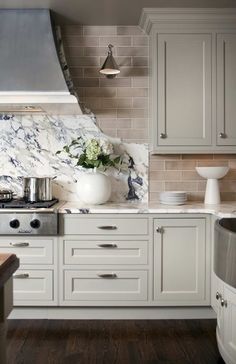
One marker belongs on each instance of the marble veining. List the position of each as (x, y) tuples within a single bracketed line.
[(223, 210), (28, 147)]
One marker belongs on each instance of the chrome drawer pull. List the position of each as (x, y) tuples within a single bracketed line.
[(107, 227), (107, 275), (21, 275), (159, 229), (107, 245), (19, 244)]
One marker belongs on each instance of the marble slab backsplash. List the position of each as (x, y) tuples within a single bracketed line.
[(28, 147)]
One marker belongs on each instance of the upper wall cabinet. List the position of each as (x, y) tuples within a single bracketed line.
[(226, 89), (184, 111), (192, 80)]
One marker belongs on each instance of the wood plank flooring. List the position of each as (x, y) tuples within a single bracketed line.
[(112, 342)]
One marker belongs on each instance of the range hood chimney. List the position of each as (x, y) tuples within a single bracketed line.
[(31, 77)]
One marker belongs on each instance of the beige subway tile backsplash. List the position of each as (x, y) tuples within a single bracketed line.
[(132, 113), (115, 82), (83, 61), (121, 104), (180, 165), (132, 134), (116, 41), (99, 30), (132, 91), (140, 41), (132, 51), (129, 30), (139, 123), (140, 61), (95, 51)]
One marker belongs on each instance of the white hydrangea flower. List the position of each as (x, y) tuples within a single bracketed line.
[(93, 149), (106, 147)]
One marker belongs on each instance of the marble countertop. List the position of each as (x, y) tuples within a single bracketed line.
[(225, 209)]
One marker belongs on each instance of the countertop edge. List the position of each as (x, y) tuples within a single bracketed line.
[(223, 210)]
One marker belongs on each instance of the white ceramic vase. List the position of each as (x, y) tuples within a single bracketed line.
[(94, 188)]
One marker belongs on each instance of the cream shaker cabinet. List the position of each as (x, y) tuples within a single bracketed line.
[(105, 260), (225, 307), (35, 282), (183, 89), (181, 262), (192, 80), (226, 89), (134, 260)]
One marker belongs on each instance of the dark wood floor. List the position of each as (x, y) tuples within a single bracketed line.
[(112, 342)]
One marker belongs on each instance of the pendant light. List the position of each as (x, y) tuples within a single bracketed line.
[(110, 68)]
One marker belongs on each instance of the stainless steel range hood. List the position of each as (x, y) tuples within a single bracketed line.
[(31, 77)]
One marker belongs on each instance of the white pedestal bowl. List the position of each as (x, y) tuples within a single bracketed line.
[(212, 194)]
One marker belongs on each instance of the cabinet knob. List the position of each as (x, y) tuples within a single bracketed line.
[(222, 135), (223, 303), (218, 295), (159, 229), (163, 135)]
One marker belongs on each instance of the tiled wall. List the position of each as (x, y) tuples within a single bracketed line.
[(121, 104)]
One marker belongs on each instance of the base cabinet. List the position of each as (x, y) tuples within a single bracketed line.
[(144, 260), (105, 285), (35, 282), (106, 260), (181, 257), (135, 260), (226, 318)]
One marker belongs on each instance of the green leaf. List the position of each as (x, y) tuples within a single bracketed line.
[(66, 149), (117, 160)]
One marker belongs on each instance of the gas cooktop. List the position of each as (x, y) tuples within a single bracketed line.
[(22, 204), (18, 217)]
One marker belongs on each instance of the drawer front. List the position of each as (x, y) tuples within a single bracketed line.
[(29, 251), (105, 285), (105, 252), (33, 285), (105, 226)]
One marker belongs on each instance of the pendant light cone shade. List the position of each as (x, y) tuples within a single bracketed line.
[(110, 68)]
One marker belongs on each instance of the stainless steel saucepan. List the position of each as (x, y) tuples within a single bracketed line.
[(6, 195), (37, 188)]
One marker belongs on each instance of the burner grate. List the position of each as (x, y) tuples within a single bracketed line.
[(22, 204)]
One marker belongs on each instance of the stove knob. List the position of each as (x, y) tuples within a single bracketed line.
[(35, 224), (14, 224)]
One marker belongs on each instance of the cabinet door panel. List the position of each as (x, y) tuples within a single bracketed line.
[(90, 285), (28, 250), (229, 322), (105, 226), (32, 287), (226, 89), (184, 89), (105, 252), (180, 261)]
